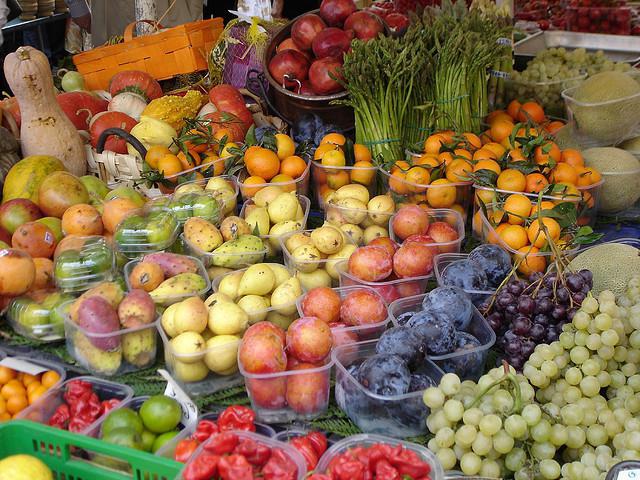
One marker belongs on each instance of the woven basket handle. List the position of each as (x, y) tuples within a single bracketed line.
[(128, 31), (118, 132)]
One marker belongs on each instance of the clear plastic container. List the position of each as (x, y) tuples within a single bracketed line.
[(191, 204), (91, 262), (390, 290), (44, 408), (46, 364), (170, 299), (361, 332), (146, 231), (34, 315), (232, 260), (395, 415), (279, 314), (548, 93), (599, 19), (367, 440), (299, 185), (338, 215), (291, 452), (468, 364), (272, 398), (310, 266), (168, 450), (223, 188), (432, 196), (111, 354), (587, 205), (274, 240), (187, 368), (328, 179), (451, 217), (440, 264), (609, 122)]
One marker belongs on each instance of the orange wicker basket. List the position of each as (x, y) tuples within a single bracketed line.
[(165, 54)]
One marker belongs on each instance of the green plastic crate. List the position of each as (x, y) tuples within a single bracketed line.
[(54, 447)]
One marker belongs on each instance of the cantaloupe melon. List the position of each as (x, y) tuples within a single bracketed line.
[(612, 265), (621, 172), (25, 177)]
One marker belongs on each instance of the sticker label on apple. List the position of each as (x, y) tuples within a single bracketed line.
[(189, 408), (23, 366)]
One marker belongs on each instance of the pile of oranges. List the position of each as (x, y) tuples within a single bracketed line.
[(266, 166), (332, 170), (19, 390)]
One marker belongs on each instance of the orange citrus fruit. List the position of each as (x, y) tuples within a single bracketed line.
[(293, 166), (484, 154), (363, 172), (487, 165), (535, 182), (458, 170), (529, 261), (564, 173), (397, 183), (572, 157), (418, 176), (361, 153), (169, 165), (512, 180), (262, 162), (501, 129), (428, 160), (498, 115), (441, 194), (434, 143), (544, 154), (154, 154), (462, 153), (249, 191), (17, 403), (497, 149), (514, 108), (12, 388), (333, 158), (531, 112), (587, 176), (544, 205), (514, 236), (50, 378), (334, 138), (6, 374), (518, 208), (322, 149), (537, 237), (289, 183), (226, 150), (337, 179), (472, 140)]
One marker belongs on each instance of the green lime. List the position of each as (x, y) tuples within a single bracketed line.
[(123, 417), (147, 440), (160, 414), (125, 437), (162, 439)]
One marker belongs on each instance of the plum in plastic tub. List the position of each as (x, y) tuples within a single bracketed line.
[(357, 333), (327, 179), (390, 290), (299, 185), (452, 218), (472, 342), (454, 195), (547, 93), (368, 440), (288, 450), (395, 415), (89, 262), (279, 314), (444, 260), (171, 298), (274, 239), (146, 231), (227, 259), (293, 395), (193, 374), (313, 263), (168, 450), (223, 188), (44, 408), (110, 354), (34, 315), (587, 203)]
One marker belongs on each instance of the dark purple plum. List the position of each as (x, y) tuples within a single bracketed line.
[(403, 318), (401, 341), (468, 365), (465, 274), (437, 334), (494, 261), (385, 374), (450, 303), (420, 381)]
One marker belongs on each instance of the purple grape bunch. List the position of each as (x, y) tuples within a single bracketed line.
[(528, 312)]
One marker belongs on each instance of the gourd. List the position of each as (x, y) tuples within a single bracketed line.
[(45, 129)]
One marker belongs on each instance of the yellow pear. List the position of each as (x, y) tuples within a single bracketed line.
[(215, 272), (296, 240), (353, 190), (168, 320), (255, 306), (257, 280), (327, 239), (306, 258), (191, 315), (319, 278), (217, 297), (229, 285), (373, 232), (281, 273), (354, 232), (226, 318), (267, 195), (188, 347), (190, 372), (283, 208), (222, 354), (336, 258), (380, 209), (258, 220), (282, 321), (284, 296), (280, 229)]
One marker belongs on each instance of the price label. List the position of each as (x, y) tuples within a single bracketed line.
[(629, 474), (173, 390), (23, 366)]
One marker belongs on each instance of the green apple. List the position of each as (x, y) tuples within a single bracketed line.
[(55, 225), (97, 188), (126, 192)]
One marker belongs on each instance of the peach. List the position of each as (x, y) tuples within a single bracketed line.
[(409, 289), (386, 243), (267, 393), (413, 260), (308, 392), (410, 220), (309, 339), (442, 232), (322, 303), (362, 307), (340, 334), (389, 293), (371, 264), (262, 354), (262, 328)]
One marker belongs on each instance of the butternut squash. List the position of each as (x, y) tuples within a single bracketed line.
[(45, 129)]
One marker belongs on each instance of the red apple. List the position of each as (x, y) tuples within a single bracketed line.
[(5, 236), (370, 264), (362, 307), (262, 328), (16, 212), (267, 393), (342, 336), (409, 289), (309, 339), (305, 29), (306, 90), (323, 303), (331, 42), (386, 243), (289, 44), (308, 392), (262, 354), (423, 239), (335, 12), (324, 75), (365, 25), (442, 232), (410, 220), (397, 23), (413, 260), (287, 66)]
